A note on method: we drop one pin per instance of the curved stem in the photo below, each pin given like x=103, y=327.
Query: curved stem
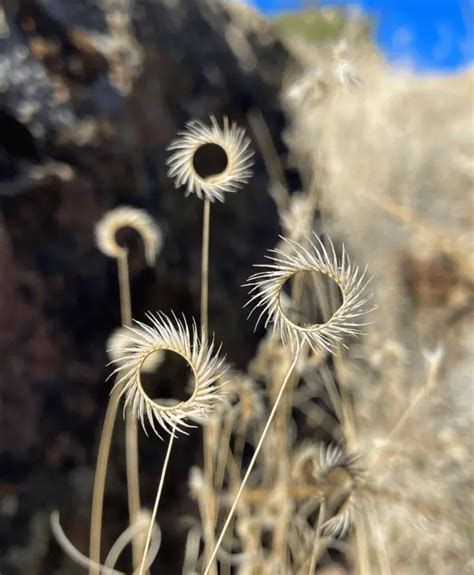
x=74, y=553
x=131, y=441
x=157, y=501
x=99, y=481
x=253, y=460
x=124, y=539
x=84, y=561
x=315, y=552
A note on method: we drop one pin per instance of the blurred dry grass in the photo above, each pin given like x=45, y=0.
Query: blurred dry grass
x=389, y=159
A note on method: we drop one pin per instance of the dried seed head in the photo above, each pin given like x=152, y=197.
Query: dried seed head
x=266, y=290
x=305, y=464
x=333, y=457
x=169, y=334
x=120, y=340
x=339, y=474
x=127, y=217
x=338, y=526
x=209, y=160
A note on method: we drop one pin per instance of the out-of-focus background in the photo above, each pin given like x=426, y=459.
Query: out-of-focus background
x=369, y=103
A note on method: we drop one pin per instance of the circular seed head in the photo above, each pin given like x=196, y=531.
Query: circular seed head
x=169, y=334
x=341, y=473
x=209, y=160
x=126, y=217
x=266, y=293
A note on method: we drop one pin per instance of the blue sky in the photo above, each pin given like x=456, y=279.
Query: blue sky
x=426, y=34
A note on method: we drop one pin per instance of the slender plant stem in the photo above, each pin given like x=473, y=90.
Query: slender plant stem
x=131, y=433
x=362, y=557
x=208, y=440
x=280, y=538
x=124, y=287
x=74, y=553
x=99, y=481
x=131, y=441
x=157, y=501
x=236, y=461
x=270, y=156
x=316, y=546
x=124, y=539
x=252, y=462
x=205, y=268
x=222, y=452
x=133, y=484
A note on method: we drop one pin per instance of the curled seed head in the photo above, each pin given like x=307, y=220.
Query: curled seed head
x=127, y=217
x=169, y=334
x=209, y=160
x=332, y=457
x=339, y=472
x=305, y=463
x=339, y=525
x=266, y=291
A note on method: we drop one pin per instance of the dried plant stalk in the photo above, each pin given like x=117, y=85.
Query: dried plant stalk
x=252, y=462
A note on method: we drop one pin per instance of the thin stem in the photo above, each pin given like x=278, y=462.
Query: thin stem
x=235, y=460
x=252, y=462
x=363, y=560
x=157, y=501
x=208, y=440
x=74, y=553
x=99, y=481
x=280, y=538
x=381, y=549
x=133, y=484
x=205, y=268
x=222, y=452
x=315, y=553
x=124, y=539
x=270, y=157
x=131, y=433
x=124, y=287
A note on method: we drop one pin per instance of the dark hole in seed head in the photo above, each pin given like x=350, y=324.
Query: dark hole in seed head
x=171, y=382
x=319, y=298
x=127, y=238
x=209, y=160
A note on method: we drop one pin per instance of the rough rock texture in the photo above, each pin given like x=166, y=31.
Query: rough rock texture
x=91, y=93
